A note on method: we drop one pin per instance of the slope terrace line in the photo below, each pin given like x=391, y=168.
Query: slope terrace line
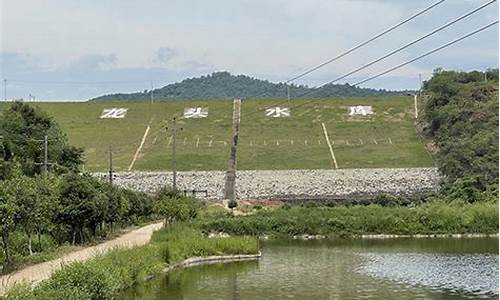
x=140, y=145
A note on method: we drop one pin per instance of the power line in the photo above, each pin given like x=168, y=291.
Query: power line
x=316, y=89
x=365, y=42
x=407, y=45
x=408, y=62
x=428, y=53
x=399, y=49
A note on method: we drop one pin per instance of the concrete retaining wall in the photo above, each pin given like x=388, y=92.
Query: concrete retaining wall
x=291, y=184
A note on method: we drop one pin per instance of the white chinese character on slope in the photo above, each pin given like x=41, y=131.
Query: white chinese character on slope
x=278, y=112
x=113, y=113
x=196, y=112
x=360, y=110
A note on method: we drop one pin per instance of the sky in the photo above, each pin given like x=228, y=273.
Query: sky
x=75, y=50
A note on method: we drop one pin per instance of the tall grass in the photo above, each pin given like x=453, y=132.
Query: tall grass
x=430, y=218
x=179, y=242
x=104, y=277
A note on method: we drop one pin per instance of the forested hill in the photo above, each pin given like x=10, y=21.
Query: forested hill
x=222, y=85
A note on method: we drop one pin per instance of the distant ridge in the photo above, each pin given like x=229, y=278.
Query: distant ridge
x=224, y=85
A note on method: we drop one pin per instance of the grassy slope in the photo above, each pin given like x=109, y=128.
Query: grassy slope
x=258, y=148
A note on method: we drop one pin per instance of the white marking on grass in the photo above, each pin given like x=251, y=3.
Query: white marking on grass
x=197, y=142
x=169, y=141
x=390, y=141
x=416, y=106
x=375, y=141
x=330, y=146
x=210, y=143
x=277, y=142
x=305, y=142
x=139, y=148
x=360, y=141
x=291, y=142
x=114, y=113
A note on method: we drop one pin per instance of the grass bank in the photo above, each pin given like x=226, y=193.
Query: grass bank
x=106, y=276
x=265, y=142
x=436, y=217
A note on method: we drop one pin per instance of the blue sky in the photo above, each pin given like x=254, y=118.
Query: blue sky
x=69, y=49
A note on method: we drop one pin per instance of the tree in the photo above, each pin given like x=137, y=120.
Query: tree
x=80, y=204
x=23, y=128
x=8, y=211
x=117, y=204
x=460, y=115
x=23, y=191
x=175, y=207
x=47, y=191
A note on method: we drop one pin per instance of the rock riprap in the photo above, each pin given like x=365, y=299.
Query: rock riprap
x=290, y=184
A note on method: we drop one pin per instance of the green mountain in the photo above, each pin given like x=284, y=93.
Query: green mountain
x=222, y=85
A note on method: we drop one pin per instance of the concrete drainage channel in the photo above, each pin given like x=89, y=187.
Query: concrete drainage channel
x=292, y=185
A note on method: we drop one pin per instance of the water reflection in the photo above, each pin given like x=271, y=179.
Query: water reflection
x=342, y=269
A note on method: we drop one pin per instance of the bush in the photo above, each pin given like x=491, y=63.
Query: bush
x=176, y=208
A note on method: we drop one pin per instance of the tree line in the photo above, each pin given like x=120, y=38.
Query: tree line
x=223, y=85
x=40, y=211
x=460, y=117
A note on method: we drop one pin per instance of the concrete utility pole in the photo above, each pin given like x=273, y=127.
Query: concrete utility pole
x=416, y=105
x=110, y=165
x=152, y=97
x=420, y=86
x=174, y=129
x=45, y=155
x=231, y=164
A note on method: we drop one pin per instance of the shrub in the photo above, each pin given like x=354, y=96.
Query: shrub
x=176, y=209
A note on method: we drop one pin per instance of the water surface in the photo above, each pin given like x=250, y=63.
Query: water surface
x=342, y=269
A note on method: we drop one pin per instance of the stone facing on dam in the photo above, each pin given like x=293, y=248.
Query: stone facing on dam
x=291, y=184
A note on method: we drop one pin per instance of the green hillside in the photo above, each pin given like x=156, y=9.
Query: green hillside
x=385, y=139
x=223, y=85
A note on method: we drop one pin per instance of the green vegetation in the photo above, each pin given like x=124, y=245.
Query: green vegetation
x=41, y=215
x=174, y=207
x=435, y=217
x=223, y=85
x=22, y=132
x=461, y=117
x=58, y=211
x=182, y=241
x=106, y=276
x=265, y=143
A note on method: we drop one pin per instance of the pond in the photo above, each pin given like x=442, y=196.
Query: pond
x=342, y=269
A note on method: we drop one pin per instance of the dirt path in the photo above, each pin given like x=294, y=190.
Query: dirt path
x=39, y=272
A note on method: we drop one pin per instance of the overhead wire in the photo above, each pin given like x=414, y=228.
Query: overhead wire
x=318, y=88
x=428, y=53
x=401, y=23
x=468, y=14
